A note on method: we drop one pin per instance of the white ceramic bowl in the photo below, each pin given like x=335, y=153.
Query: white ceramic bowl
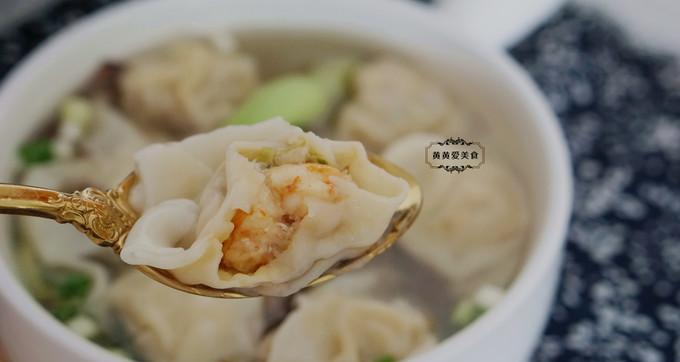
x=485, y=79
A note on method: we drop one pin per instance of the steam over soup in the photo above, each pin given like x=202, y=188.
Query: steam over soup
x=307, y=200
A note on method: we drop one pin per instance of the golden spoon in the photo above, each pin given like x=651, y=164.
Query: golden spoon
x=106, y=217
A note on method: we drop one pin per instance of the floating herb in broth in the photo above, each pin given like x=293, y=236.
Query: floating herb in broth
x=63, y=292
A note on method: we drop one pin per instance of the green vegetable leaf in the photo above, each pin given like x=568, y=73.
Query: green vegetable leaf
x=466, y=312
x=300, y=99
x=315, y=157
x=76, y=110
x=65, y=311
x=334, y=75
x=74, y=285
x=296, y=98
x=36, y=152
x=385, y=358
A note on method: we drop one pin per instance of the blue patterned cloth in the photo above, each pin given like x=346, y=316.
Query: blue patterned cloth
x=620, y=108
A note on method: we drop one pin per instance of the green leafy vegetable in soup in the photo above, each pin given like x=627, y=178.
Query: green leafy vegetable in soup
x=299, y=98
x=385, y=358
x=74, y=285
x=77, y=111
x=70, y=288
x=466, y=312
x=37, y=152
x=334, y=76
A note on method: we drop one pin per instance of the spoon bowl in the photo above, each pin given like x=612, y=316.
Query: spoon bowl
x=106, y=217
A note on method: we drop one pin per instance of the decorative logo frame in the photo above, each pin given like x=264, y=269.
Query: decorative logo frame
x=455, y=155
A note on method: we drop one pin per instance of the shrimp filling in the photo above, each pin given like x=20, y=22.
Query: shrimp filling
x=266, y=231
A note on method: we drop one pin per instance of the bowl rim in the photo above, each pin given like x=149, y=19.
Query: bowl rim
x=549, y=239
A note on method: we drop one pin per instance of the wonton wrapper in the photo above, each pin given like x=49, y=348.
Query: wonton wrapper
x=189, y=192
x=172, y=326
x=187, y=86
x=392, y=100
x=473, y=226
x=341, y=328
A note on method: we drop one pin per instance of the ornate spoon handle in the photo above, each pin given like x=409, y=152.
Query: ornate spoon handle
x=103, y=216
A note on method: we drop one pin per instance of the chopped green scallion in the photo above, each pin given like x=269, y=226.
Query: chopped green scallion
x=466, y=312
x=74, y=285
x=84, y=326
x=315, y=157
x=77, y=111
x=65, y=311
x=265, y=155
x=36, y=152
x=385, y=358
